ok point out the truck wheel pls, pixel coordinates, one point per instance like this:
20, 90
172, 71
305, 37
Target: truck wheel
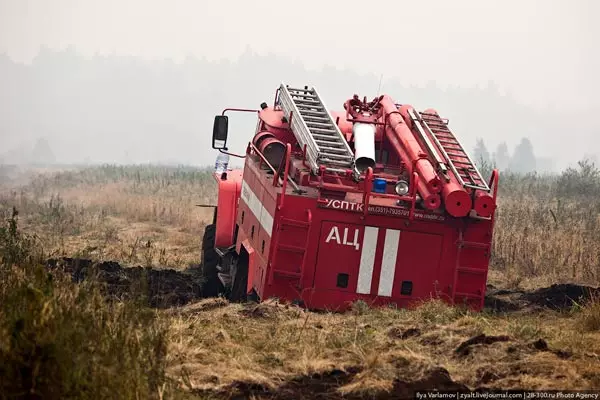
211, 285
239, 274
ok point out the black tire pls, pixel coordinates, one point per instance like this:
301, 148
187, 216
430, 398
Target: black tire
211, 284
239, 273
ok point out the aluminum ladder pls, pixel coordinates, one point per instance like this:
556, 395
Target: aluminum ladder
458, 160
315, 128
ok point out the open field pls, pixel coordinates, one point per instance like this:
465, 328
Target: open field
547, 233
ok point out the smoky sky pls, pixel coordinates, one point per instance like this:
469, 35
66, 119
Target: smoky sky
541, 53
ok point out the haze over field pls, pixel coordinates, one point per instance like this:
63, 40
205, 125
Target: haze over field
141, 81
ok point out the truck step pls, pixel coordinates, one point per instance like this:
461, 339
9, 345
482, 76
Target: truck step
294, 222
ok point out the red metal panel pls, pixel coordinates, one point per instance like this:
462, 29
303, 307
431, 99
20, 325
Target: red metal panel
229, 190
418, 262
251, 263
426, 253
339, 253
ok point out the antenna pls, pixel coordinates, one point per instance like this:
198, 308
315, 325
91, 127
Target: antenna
379, 88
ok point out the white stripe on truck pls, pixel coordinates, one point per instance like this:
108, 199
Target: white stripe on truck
260, 212
388, 264
370, 245
367, 259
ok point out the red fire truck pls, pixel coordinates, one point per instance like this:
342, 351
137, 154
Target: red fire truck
378, 202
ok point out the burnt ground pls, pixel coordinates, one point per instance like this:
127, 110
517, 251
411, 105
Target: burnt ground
159, 288
165, 288
325, 385
557, 297
503, 359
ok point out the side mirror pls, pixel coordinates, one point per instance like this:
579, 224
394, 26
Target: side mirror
219, 137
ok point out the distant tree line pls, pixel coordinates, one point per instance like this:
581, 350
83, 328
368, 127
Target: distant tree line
66, 108
522, 160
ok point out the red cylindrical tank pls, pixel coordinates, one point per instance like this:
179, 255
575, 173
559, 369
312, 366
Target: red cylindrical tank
456, 200
404, 112
431, 201
405, 144
484, 204
272, 148
260, 136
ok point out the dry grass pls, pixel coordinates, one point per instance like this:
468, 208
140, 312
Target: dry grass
60, 340
215, 345
147, 215
137, 215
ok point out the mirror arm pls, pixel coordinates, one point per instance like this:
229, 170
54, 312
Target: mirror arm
224, 149
231, 154
237, 110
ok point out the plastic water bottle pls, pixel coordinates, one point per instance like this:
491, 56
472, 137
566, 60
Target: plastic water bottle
221, 163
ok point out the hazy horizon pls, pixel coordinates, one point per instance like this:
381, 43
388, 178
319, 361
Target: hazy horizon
500, 71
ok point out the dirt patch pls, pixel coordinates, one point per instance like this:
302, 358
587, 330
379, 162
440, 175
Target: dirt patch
326, 385
557, 297
399, 333
542, 345
160, 288
465, 347
562, 296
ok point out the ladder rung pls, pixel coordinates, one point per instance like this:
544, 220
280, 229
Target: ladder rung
476, 187
325, 137
474, 181
309, 102
331, 131
463, 155
454, 142
448, 148
328, 143
299, 90
307, 112
468, 171
304, 95
339, 157
336, 162
309, 107
332, 149
309, 118
318, 124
